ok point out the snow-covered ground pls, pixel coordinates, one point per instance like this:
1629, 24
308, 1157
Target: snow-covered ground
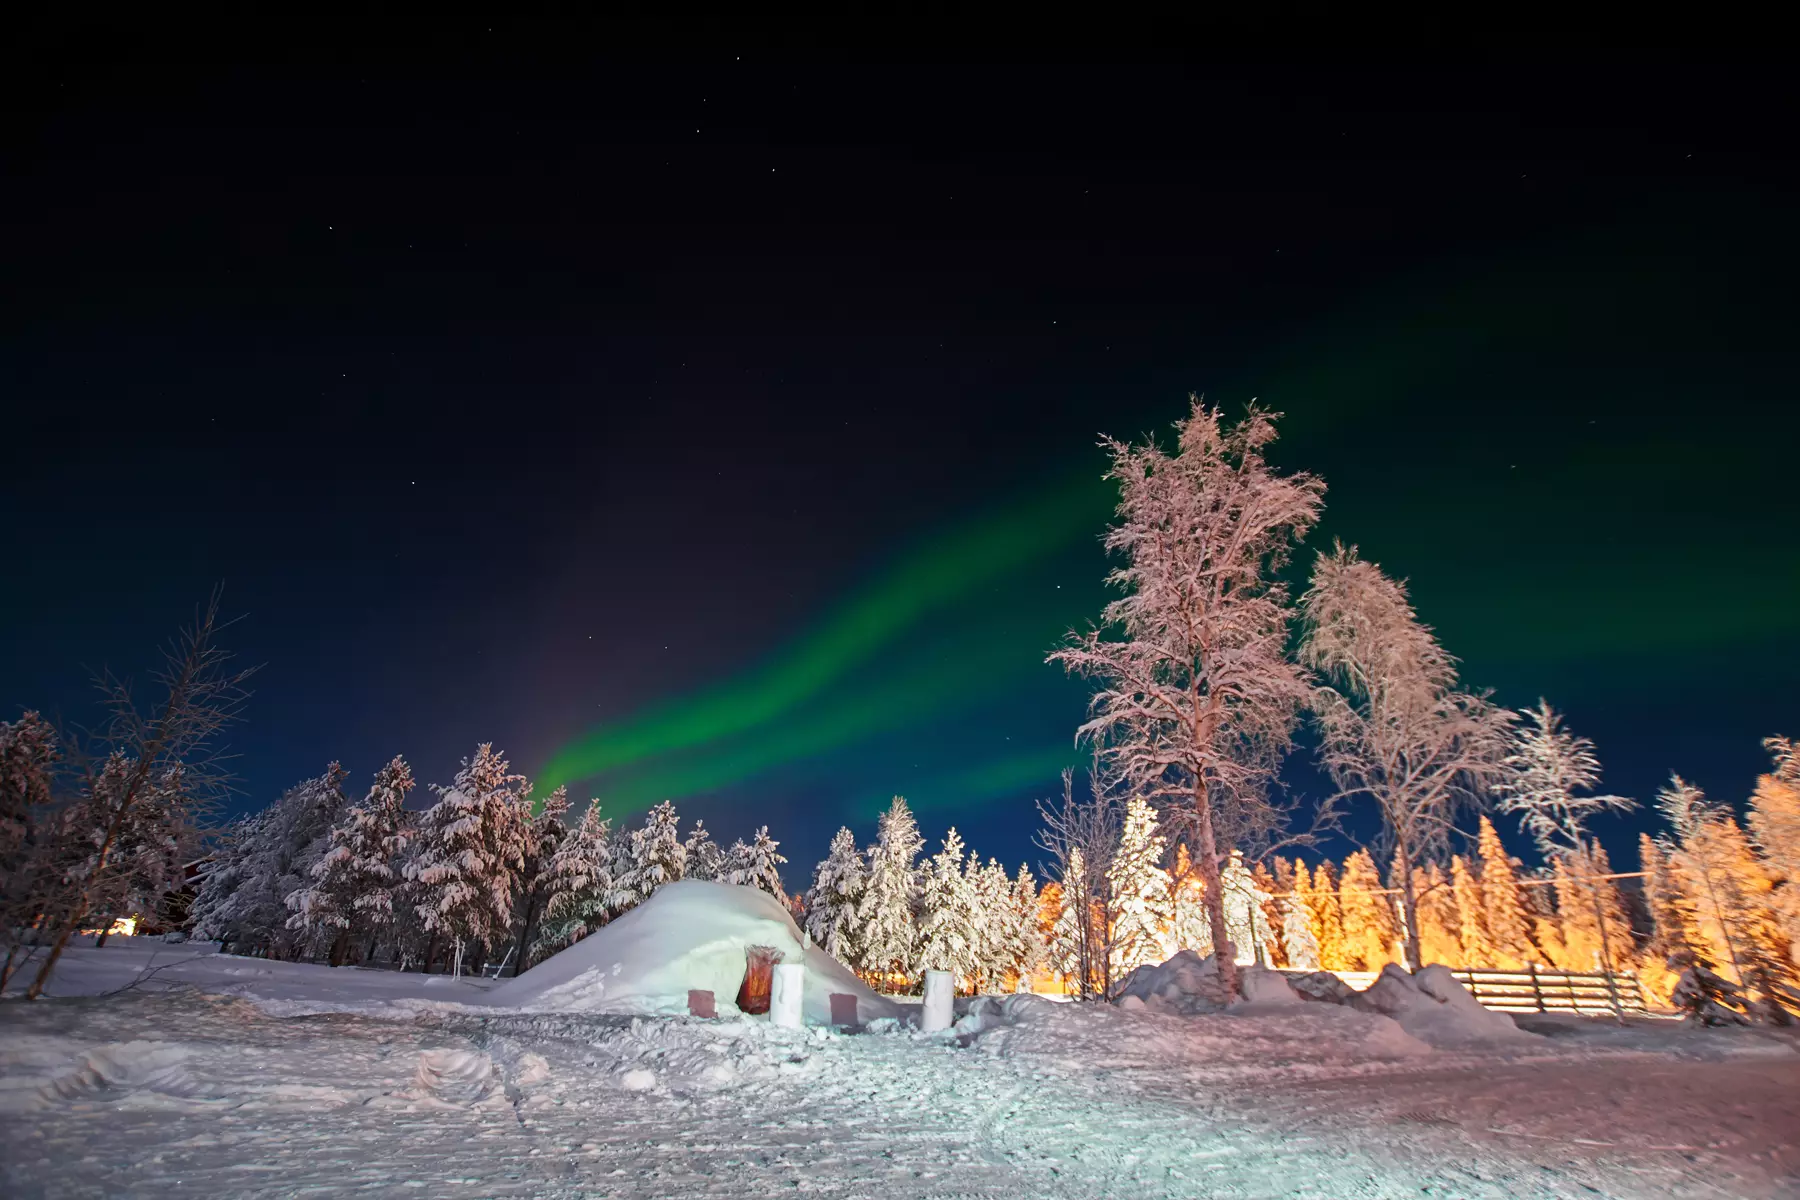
221, 1076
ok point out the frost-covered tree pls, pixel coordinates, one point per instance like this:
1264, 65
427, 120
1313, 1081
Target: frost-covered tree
1297, 939
757, 864
1394, 728
1025, 941
886, 915
1081, 837
243, 902
1142, 906
1473, 939
837, 888
1775, 828
1728, 890
469, 855
580, 886
1546, 769
651, 855
1440, 936
947, 940
1369, 927
1245, 919
177, 766
993, 923
1197, 696
354, 883
1508, 923
1546, 766
705, 858
29, 754
1188, 922
541, 835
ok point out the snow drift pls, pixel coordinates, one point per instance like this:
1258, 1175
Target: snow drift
1435, 1008
689, 935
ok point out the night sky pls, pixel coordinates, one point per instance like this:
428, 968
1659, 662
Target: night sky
723, 421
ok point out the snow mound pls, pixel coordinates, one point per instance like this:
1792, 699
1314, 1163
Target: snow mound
1435, 1008
1246, 1041
1322, 987
1188, 984
689, 935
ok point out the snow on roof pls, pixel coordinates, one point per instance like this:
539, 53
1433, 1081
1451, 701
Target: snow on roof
689, 935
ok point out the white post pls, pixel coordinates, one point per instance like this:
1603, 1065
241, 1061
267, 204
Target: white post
785, 993
939, 1006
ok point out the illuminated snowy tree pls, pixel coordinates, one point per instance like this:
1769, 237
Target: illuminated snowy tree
1190, 925
757, 864
1394, 728
1141, 903
1508, 924
469, 852
540, 835
580, 886
837, 888
886, 922
1473, 938
1245, 922
1025, 943
354, 884
947, 940
648, 857
1369, 926
704, 858
1775, 828
1440, 938
1197, 694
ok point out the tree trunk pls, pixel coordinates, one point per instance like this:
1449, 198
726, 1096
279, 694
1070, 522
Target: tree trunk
1215, 891
1409, 905
526, 935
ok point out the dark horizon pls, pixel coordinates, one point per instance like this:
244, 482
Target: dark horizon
510, 401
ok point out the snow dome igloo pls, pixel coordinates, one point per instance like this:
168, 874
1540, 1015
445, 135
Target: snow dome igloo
691, 935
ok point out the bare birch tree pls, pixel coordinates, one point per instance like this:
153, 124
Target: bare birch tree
1393, 726
160, 769
1198, 697
1080, 837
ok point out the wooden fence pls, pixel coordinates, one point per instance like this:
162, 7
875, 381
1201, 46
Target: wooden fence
1536, 990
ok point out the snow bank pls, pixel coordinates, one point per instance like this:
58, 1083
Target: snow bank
1187, 984
1435, 1008
689, 935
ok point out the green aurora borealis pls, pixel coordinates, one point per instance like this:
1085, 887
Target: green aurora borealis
1481, 433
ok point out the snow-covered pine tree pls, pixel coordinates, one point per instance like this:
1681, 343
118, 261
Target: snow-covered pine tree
1508, 924
148, 843
1190, 926
469, 853
1369, 926
1595, 930
947, 912
1775, 828
1025, 941
351, 896
837, 888
29, 754
652, 855
1474, 940
1299, 944
1244, 918
1394, 726
1671, 930
580, 886
541, 835
1440, 939
1729, 890
887, 926
1198, 696
757, 864
705, 858
1142, 905
243, 902
993, 923
1546, 767
1068, 940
